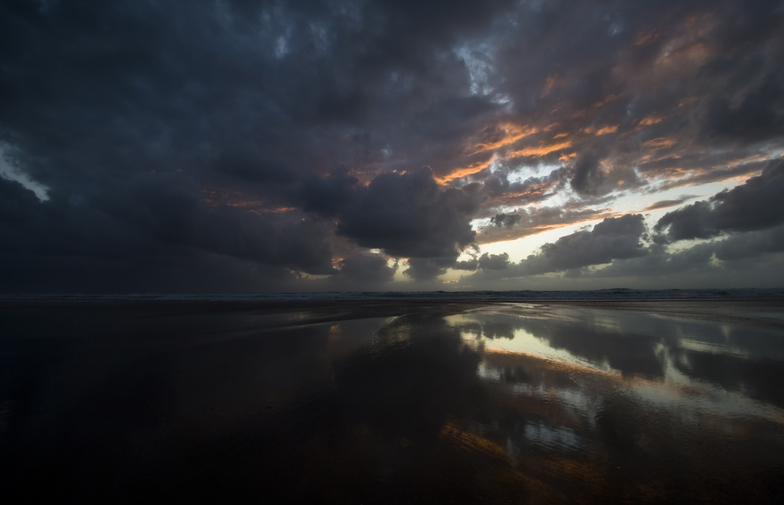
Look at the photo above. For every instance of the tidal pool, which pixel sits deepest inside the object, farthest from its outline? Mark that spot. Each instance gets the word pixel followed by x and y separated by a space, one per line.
pixel 439 403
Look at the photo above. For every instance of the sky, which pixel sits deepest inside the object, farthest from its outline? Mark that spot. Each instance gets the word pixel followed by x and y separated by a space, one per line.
pixel 263 146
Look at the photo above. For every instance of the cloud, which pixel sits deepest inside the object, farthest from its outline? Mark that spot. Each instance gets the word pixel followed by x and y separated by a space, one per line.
pixel 592 175
pixel 493 261
pixel 754 205
pixel 328 197
pixel 663 204
pixel 526 222
pixel 422 269
pixel 486 261
pixel 613 238
pixel 367 268
pixel 706 261
pixel 410 215
pixel 259 137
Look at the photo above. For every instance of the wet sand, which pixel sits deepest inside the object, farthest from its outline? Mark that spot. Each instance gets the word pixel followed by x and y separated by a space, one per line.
pixel 433 400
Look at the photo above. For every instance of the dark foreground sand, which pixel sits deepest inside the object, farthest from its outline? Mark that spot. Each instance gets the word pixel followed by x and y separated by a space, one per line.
pixel 431 400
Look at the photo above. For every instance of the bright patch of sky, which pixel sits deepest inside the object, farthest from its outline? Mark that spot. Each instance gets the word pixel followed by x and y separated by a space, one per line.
pixel 10 170
pixel 633 202
pixel 480 68
pixel 524 172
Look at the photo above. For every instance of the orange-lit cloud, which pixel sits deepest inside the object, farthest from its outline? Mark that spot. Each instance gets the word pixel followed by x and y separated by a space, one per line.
pixel 606 100
pixel 459 173
pixel 591 130
pixel 650 120
pixel 645 37
pixel 511 134
pixel 549 83
pixel 215 197
pixel 661 142
pixel 493 234
pixel 540 150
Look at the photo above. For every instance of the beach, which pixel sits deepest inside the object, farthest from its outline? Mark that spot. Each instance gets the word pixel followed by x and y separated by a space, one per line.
pixel 384 398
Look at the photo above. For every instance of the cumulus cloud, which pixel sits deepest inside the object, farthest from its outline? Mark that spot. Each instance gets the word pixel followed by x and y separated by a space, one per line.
pixel 367 268
pixel 754 205
pixel 613 238
pixel 486 261
pixel 410 215
pixel 423 269
pixel 493 261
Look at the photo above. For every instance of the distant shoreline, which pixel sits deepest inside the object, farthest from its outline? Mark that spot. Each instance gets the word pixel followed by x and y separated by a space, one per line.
pixel 616 294
pixel 757 307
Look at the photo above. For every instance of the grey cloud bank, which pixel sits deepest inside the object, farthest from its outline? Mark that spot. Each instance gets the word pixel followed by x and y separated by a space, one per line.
pixel 243 146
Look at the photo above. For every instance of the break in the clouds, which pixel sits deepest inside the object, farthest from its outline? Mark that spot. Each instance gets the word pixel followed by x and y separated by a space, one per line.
pixel 229 145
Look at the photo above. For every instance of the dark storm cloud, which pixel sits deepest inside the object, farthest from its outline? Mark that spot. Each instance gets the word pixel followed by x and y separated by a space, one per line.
pixel 405 214
pixel 251 166
pixel 493 261
pixel 757 114
pixel 754 205
pixel 750 245
pixel 612 239
pixel 485 262
pixel 254 136
pixel 505 220
pixel 255 96
pixel 328 197
pixel 367 268
pixel 709 261
pixel 471 264
pixel 590 178
pixel 409 215
pixel 156 215
pixel 423 269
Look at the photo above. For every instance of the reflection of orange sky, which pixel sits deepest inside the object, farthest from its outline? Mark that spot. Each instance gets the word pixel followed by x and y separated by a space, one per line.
pixel 473 442
pixel 640 385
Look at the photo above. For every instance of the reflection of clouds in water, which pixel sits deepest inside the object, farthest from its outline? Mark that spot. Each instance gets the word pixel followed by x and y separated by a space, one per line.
pixel 558 438
pixel 386 400
pixel 640 386
pixel 472 328
pixel 685 359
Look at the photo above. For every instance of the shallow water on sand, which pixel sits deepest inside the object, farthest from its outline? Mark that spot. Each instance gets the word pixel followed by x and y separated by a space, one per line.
pixel 517 403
